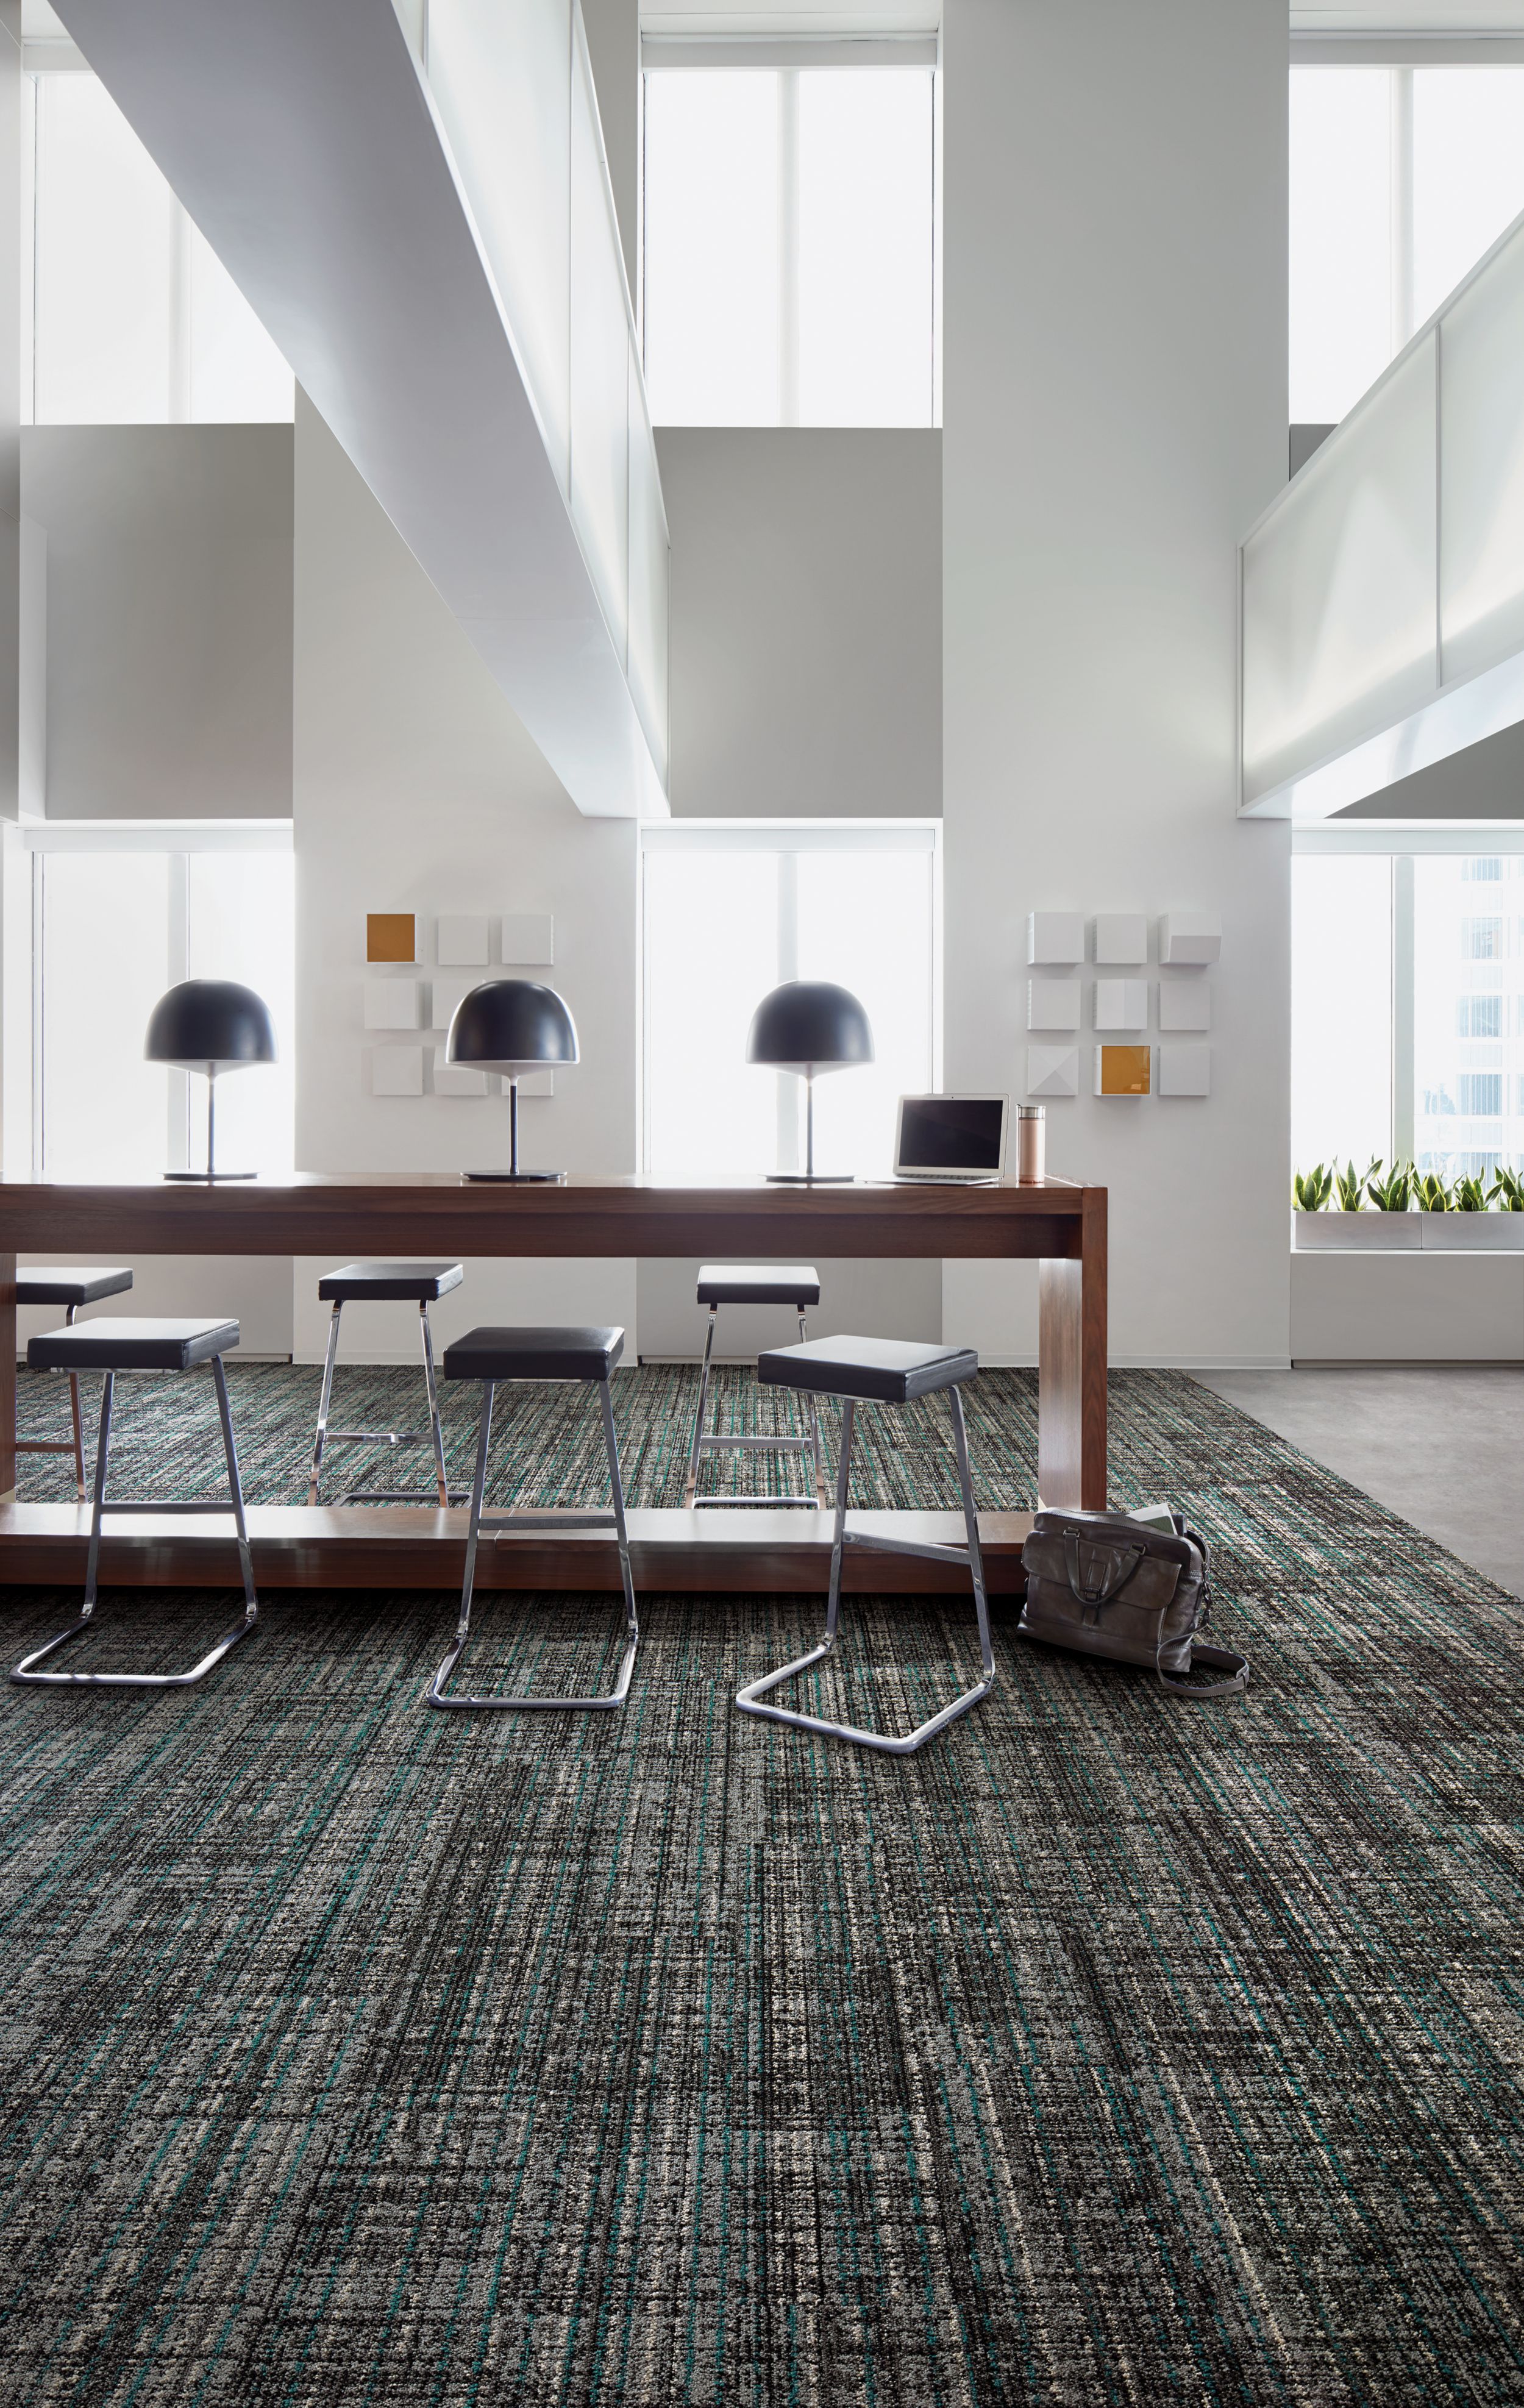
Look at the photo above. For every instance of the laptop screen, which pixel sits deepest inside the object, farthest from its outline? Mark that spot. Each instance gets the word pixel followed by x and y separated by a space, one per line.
pixel 951 1133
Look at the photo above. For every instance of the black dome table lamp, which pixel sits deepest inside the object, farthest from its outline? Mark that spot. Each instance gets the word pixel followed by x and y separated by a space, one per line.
pixel 511 1025
pixel 808 1026
pixel 211 1024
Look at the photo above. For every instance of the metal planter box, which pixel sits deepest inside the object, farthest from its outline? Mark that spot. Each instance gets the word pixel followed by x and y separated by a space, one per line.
pixel 1361 1232
pixel 1465 1233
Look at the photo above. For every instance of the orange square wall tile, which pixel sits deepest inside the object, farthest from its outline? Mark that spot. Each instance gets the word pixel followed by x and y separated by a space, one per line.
pixel 391 937
pixel 1123 1069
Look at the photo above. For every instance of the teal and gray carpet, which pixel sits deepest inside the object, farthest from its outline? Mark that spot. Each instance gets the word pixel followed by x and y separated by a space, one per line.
pixel 1113 2050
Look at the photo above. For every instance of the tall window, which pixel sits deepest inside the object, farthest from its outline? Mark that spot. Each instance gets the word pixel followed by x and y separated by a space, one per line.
pixel 1402 177
pixel 1408 1009
pixel 123 925
pixel 729 913
pixel 128 316
pixel 789 243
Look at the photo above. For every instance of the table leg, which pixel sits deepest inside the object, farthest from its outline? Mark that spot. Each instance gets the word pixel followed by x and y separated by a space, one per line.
pixel 7 1378
pixel 1072 1368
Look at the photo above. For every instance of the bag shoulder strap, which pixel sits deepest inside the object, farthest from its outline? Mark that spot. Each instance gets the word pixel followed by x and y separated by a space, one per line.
pixel 1216 1659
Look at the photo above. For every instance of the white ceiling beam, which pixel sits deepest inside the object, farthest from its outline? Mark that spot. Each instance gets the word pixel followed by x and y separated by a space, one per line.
pixel 303 142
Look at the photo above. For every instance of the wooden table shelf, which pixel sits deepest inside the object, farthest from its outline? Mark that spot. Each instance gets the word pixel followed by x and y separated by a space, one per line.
pixel 1062 1227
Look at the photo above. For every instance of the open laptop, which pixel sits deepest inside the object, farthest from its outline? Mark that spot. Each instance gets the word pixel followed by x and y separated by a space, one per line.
pixel 959 1139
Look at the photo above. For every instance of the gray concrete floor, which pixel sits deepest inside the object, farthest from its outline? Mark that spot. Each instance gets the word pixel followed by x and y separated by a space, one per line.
pixel 1443 1447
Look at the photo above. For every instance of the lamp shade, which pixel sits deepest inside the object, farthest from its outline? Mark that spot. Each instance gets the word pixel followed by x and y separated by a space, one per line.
pixel 810 1025
pixel 211 1024
pixel 511 1025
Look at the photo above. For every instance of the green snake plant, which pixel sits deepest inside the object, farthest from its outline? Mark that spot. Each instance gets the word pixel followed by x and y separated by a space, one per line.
pixel 1430 1192
pixel 1393 1193
pixel 1468 1196
pixel 1350 1183
pixel 1310 1189
pixel 1508 1188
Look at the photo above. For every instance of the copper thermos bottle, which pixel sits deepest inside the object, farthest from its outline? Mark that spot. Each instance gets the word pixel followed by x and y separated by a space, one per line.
pixel 1029 1132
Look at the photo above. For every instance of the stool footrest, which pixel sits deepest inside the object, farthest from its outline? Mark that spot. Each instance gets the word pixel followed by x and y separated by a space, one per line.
pixel 25 1677
pixel 404 1496
pixel 946 1553
pixel 547 1521
pixel 805 1504
pixel 386 1438
pixel 758 1445
pixel 167 1505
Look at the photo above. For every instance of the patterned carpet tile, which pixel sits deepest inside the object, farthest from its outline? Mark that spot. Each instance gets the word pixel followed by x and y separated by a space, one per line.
pixel 1112 2050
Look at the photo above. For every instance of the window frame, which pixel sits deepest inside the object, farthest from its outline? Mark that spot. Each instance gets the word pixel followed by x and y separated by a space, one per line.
pixel 1402 843
pixel 175 840
pixel 1399 55
pixel 785 837
pixel 675 53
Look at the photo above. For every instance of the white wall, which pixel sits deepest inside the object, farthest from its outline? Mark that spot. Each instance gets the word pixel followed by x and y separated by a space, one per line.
pixel 805 653
pixel 1114 417
pixel 1407 1308
pixel 417 788
pixel 168 618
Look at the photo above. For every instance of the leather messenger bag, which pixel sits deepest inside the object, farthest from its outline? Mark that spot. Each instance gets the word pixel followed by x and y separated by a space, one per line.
pixel 1105 1585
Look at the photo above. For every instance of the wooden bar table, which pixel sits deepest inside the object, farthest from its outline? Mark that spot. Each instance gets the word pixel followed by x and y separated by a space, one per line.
pixel 400 1214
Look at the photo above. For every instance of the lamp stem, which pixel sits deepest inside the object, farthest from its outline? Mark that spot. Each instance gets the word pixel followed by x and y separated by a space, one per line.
pixel 809 1124
pixel 211 1122
pixel 513 1126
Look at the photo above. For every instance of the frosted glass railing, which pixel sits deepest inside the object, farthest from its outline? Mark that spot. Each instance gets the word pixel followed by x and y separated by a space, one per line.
pixel 1383 591
pixel 513 88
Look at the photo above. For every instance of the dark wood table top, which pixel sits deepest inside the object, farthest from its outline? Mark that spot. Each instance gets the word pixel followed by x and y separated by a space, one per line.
pixel 403 1212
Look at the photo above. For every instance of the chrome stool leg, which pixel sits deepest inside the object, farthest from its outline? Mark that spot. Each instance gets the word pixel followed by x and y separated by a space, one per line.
pixel 433 1436
pixel 707 1442
pixel 25 1675
pixel 843 1537
pixel 320 1439
pixel 63 1445
pixel 694 1452
pixel 480 1521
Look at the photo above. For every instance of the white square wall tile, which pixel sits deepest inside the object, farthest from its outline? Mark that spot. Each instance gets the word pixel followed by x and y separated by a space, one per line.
pixel 1054 937
pixel 456 1077
pixel 1185 1070
pixel 390 1003
pixel 461 938
pixel 1053 1069
pixel 1185 1003
pixel 1121 1003
pixel 444 995
pixel 529 937
pixel 535 1082
pixel 1053 1003
pixel 1190 937
pixel 1121 937
pixel 396 1070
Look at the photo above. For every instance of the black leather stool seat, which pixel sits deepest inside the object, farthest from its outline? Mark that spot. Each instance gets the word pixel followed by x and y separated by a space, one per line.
pixel 62 1283
pixel 389 1282
pixel 132 1345
pixel 794 1284
pixel 534 1354
pixel 886 1370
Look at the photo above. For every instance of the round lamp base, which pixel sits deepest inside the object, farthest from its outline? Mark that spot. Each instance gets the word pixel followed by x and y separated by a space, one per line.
pixel 208 1178
pixel 813 1178
pixel 518 1177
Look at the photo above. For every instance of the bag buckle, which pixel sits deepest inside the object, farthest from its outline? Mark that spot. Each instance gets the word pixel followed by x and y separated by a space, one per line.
pixel 1123 1562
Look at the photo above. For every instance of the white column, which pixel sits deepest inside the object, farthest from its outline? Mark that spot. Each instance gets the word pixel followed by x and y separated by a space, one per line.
pixel 1114 418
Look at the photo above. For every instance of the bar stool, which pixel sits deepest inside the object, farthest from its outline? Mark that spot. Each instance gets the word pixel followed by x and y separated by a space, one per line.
pixel 420 1283
pixel 792 1284
pixel 886 1372
pixel 490 1355
pixel 113 1346
pixel 73 1288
